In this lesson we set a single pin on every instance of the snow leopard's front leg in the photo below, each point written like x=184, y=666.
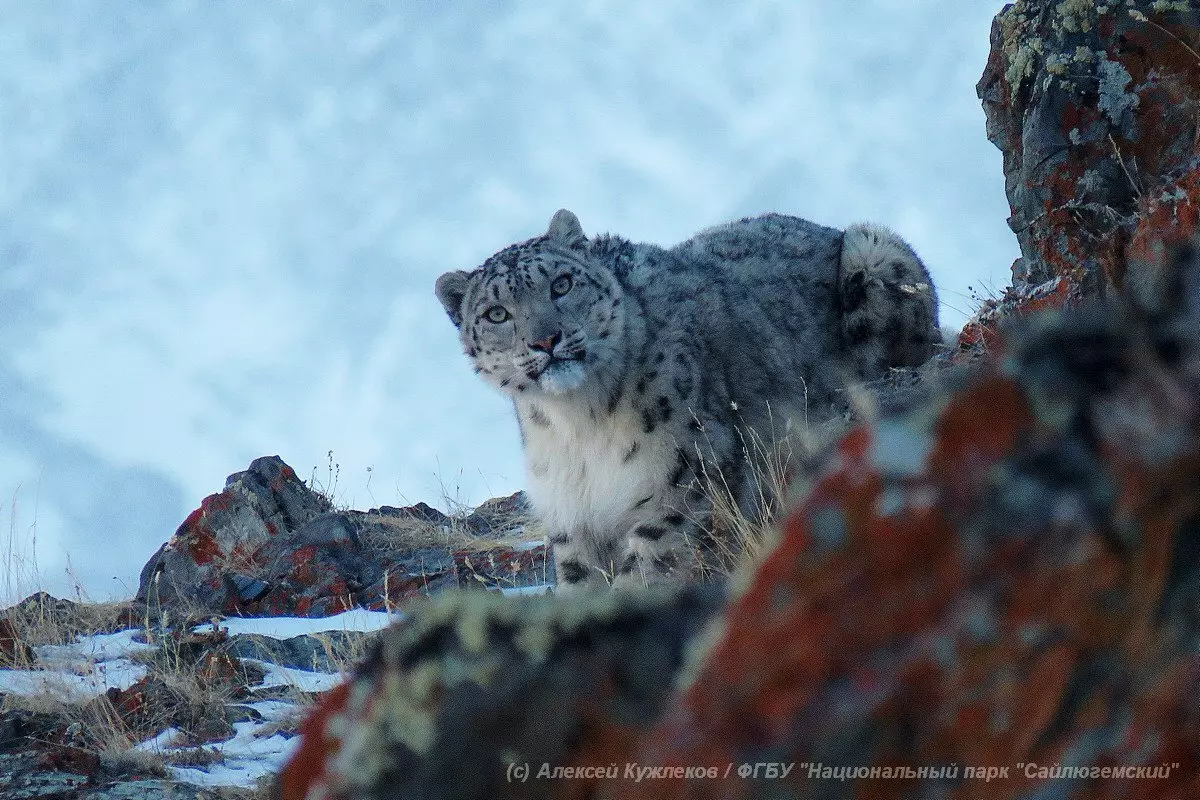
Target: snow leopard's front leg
x=573, y=568
x=670, y=540
x=667, y=545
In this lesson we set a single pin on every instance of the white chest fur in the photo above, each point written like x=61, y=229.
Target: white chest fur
x=588, y=477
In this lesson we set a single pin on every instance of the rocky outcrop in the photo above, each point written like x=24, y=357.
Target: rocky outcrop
x=128, y=743
x=269, y=545
x=1095, y=108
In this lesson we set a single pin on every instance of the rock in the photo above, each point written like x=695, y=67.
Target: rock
x=43, y=606
x=42, y=610
x=499, y=516
x=503, y=567
x=474, y=682
x=268, y=545
x=24, y=775
x=420, y=512
x=159, y=790
x=1095, y=108
x=331, y=651
x=223, y=537
x=42, y=770
x=20, y=728
x=29, y=775
x=978, y=583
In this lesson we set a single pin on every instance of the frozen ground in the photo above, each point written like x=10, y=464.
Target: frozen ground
x=91, y=665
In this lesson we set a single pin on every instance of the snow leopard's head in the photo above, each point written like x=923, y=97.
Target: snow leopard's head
x=540, y=316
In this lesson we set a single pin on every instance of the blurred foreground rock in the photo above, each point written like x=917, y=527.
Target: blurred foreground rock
x=1004, y=578
x=476, y=683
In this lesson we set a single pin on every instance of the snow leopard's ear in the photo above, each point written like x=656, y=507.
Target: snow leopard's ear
x=451, y=288
x=565, y=229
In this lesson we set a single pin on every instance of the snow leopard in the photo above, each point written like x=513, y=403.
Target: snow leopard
x=639, y=374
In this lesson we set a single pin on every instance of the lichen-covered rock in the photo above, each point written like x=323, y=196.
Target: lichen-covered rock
x=476, y=684
x=199, y=568
x=1008, y=576
x=1095, y=106
x=269, y=545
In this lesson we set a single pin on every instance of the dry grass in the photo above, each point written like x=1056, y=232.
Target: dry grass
x=344, y=652
x=51, y=704
x=779, y=459
x=93, y=726
x=186, y=687
x=407, y=533
x=740, y=529
x=44, y=620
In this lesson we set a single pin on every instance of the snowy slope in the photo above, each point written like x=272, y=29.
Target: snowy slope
x=87, y=668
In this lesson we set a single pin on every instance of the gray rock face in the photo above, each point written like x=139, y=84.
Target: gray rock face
x=1094, y=106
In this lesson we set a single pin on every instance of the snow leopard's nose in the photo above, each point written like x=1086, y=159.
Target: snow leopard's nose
x=546, y=345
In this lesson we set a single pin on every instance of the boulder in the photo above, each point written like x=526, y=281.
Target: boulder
x=475, y=683
x=499, y=516
x=215, y=554
x=1006, y=579
x=269, y=545
x=420, y=512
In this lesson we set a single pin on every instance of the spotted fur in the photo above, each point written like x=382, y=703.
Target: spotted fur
x=635, y=369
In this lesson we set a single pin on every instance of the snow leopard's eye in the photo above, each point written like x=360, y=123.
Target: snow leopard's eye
x=562, y=284
x=496, y=314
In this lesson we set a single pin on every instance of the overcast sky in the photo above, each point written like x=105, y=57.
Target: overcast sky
x=220, y=222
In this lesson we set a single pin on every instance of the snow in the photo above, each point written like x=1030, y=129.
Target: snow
x=302, y=679
x=68, y=687
x=86, y=668
x=250, y=754
x=160, y=743
x=100, y=647
x=246, y=758
x=89, y=666
x=513, y=591
x=81, y=670
x=286, y=627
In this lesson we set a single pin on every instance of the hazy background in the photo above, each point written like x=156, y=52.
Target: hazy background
x=220, y=222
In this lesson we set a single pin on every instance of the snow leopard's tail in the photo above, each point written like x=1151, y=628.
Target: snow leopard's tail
x=889, y=307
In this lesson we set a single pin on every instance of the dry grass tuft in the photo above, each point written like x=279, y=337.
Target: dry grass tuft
x=41, y=619
x=408, y=533
x=780, y=461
